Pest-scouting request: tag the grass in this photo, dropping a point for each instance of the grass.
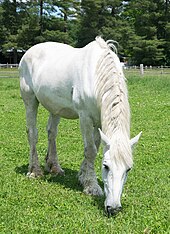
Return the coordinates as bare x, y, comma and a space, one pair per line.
8, 72
57, 204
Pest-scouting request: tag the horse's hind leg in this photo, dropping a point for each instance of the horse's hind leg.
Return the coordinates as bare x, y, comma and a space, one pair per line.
52, 164
31, 105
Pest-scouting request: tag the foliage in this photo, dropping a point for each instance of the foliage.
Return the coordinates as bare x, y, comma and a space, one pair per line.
149, 24
142, 29
57, 204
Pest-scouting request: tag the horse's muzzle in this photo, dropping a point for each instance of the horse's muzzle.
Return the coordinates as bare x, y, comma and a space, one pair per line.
112, 211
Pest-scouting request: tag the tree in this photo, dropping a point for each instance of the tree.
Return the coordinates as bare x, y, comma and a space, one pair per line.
16, 19
147, 18
9, 13
89, 21
166, 35
105, 18
68, 18
142, 29
25, 23
2, 27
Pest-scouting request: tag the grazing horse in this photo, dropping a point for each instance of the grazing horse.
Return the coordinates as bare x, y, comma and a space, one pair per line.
85, 83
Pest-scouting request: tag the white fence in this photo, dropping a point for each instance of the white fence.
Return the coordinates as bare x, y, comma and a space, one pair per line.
148, 69
11, 70
8, 65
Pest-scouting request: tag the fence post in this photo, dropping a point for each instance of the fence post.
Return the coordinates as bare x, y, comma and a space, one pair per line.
141, 69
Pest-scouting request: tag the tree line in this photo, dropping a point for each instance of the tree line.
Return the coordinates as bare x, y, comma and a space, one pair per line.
141, 28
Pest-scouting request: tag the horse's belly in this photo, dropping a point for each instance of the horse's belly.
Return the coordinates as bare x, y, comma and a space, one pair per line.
63, 111
58, 105
67, 113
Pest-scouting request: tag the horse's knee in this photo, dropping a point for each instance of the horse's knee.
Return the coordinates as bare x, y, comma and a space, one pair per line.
32, 135
90, 151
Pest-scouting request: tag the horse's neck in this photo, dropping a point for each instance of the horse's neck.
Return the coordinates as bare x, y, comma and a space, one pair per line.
112, 95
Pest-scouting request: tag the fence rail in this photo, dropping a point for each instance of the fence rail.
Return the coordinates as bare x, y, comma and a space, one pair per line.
147, 70
11, 70
9, 65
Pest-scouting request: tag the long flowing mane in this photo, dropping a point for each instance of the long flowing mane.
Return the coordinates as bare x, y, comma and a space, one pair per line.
112, 96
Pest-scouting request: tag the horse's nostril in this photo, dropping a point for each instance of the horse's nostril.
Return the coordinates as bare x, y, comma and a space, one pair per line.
109, 211
113, 211
109, 208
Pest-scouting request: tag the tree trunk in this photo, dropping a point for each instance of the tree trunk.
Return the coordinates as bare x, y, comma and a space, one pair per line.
41, 16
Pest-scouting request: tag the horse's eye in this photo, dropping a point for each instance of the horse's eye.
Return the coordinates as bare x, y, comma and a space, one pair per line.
128, 170
106, 166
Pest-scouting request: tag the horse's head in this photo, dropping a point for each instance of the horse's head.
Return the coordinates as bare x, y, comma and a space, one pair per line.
115, 169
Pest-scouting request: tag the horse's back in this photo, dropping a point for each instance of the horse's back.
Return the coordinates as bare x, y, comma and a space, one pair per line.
43, 53
44, 62
59, 58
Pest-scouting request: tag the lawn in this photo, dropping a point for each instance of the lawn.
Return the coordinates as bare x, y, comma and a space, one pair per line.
57, 204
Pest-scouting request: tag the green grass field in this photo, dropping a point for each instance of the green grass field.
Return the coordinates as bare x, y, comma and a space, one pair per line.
57, 204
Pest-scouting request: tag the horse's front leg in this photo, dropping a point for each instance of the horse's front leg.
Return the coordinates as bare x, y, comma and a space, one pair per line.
52, 165
87, 175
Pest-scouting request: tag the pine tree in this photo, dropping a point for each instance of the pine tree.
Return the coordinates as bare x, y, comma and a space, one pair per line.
142, 29
148, 44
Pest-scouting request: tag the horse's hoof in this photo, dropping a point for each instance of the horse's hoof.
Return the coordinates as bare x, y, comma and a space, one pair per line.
55, 170
34, 175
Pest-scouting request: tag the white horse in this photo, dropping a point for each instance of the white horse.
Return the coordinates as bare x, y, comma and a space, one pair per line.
88, 84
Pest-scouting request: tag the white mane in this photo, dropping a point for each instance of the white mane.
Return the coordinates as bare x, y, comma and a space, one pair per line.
112, 98
109, 44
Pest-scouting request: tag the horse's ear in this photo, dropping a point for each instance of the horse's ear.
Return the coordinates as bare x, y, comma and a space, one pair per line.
135, 140
104, 138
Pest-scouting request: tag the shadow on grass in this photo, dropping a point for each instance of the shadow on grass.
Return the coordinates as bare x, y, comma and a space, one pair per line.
22, 169
69, 181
